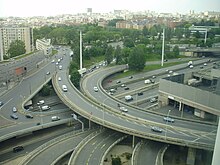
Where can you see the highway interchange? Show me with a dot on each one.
(102, 109)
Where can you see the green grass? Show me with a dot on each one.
(147, 68)
(92, 61)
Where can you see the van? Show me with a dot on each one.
(128, 98)
(45, 107)
(55, 118)
(147, 81)
(60, 67)
(64, 88)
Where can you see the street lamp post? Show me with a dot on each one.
(168, 113)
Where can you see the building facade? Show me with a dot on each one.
(10, 34)
(45, 45)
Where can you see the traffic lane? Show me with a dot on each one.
(51, 153)
(148, 152)
(30, 142)
(102, 147)
(93, 151)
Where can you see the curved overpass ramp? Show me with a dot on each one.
(110, 117)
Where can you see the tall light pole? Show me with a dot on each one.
(162, 58)
(168, 113)
(80, 45)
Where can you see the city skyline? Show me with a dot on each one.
(26, 8)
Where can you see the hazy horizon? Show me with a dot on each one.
(29, 8)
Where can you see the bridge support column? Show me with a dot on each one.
(133, 140)
(191, 157)
(216, 157)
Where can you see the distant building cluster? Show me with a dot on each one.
(10, 34)
(135, 20)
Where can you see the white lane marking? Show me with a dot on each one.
(5, 103)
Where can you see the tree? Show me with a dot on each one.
(116, 161)
(45, 91)
(118, 55)
(75, 78)
(17, 47)
(145, 31)
(176, 51)
(136, 59)
(109, 54)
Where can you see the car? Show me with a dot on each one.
(153, 100)
(165, 60)
(55, 118)
(14, 109)
(123, 109)
(64, 88)
(205, 64)
(153, 76)
(18, 148)
(130, 77)
(201, 67)
(48, 73)
(168, 119)
(140, 93)
(152, 81)
(96, 89)
(117, 82)
(191, 66)
(170, 71)
(1, 103)
(60, 67)
(45, 107)
(40, 102)
(156, 129)
(53, 61)
(29, 116)
(123, 85)
(14, 116)
(59, 78)
(126, 88)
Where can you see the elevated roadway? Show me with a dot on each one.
(102, 109)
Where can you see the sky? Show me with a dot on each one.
(27, 8)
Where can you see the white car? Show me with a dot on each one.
(123, 109)
(40, 102)
(14, 109)
(96, 89)
(59, 78)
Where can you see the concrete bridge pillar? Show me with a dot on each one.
(191, 157)
(216, 154)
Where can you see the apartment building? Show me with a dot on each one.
(10, 34)
(45, 45)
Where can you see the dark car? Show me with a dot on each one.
(1, 103)
(140, 93)
(29, 116)
(156, 129)
(126, 88)
(18, 148)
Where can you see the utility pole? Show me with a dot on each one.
(80, 40)
(162, 59)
